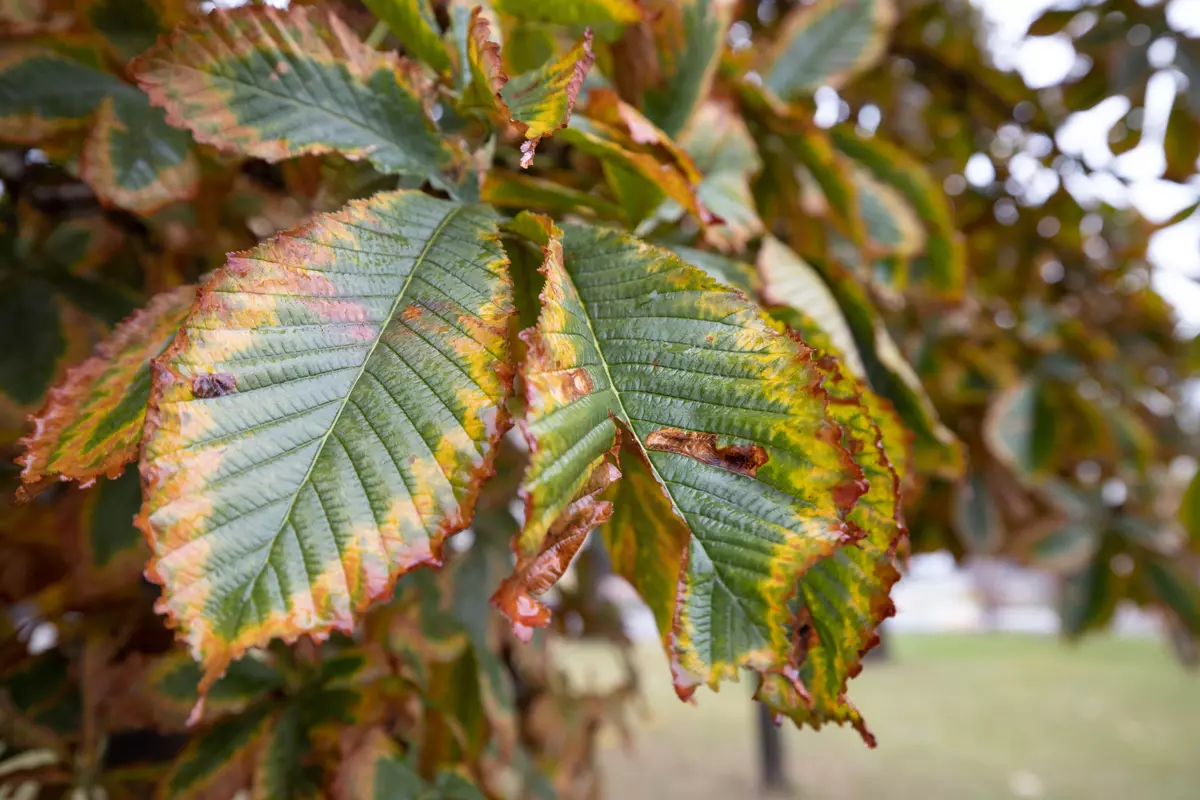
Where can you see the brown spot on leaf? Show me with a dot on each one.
(744, 459)
(218, 384)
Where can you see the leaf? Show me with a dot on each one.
(322, 422)
(376, 770)
(826, 44)
(509, 189)
(796, 295)
(891, 225)
(722, 149)
(936, 450)
(133, 159)
(91, 425)
(1088, 598)
(844, 598)
(1051, 22)
(629, 144)
(689, 37)
(274, 84)
(416, 27)
(1176, 590)
(1189, 509)
(1066, 549)
(977, 517)
(220, 761)
(945, 254)
(606, 17)
(131, 26)
(1019, 428)
(46, 93)
(29, 314)
(749, 466)
(788, 281)
(540, 102)
(835, 176)
(483, 69)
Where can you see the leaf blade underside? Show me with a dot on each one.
(324, 419)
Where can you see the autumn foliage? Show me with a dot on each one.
(345, 343)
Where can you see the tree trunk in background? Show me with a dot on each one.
(773, 778)
(882, 652)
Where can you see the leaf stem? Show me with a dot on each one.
(375, 38)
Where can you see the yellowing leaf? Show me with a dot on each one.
(788, 281)
(607, 17)
(47, 93)
(644, 165)
(133, 159)
(723, 151)
(275, 84)
(91, 425)
(827, 43)
(324, 419)
(540, 102)
(750, 478)
(689, 36)
(509, 189)
(944, 260)
(416, 27)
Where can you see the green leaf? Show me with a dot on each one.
(131, 26)
(29, 314)
(1067, 549)
(112, 536)
(1019, 428)
(1189, 509)
(1176, 590)
(540, 102)
(977, 517)
(508, 189)
(606, 17)
(220, 761)
(46, 93)
(892, 226)
(722, 149)
(689, 36)
(835, 176)
(944, 262)
(134, 160)
(748, 469)
(279, 769)
(1051, 22)
(1089, 597)
(325, 419)
(828, 43)
(376, 770)
(275, 84)
(91, 425)
(416, 27)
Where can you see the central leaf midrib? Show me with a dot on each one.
(628, 420)
(286, 519)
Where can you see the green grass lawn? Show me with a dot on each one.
(962, 717)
